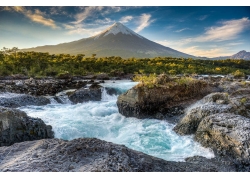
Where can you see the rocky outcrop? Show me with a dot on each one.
(161, 101)
(221, 122)
(16, 126)
(90, 154)
(40, 87)
(227, 134)
(93, 93)
(211, 104)
(16, 100)
(237, 103)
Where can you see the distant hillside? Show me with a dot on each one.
(240, 55)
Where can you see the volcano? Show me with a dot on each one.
(117, 40)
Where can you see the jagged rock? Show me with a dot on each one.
(91, 154)
(210, 104)
(227, 134)
(144, 102)
(40, 87)
(17, 100)
(93, 93)
(16, 126)
(237, 103)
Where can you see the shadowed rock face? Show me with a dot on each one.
(144, 102)
(90, 154)
(93, 93)
(16, 126)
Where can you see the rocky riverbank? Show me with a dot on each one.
(219, 121)
(217, 113)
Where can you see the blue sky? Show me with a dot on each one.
(197, 30)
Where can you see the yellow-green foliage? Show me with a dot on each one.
(144, 80)
(238, 73)
(185, 80)
(152, 80)
(243, 100)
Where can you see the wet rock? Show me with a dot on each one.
(210, 104)
(144, 102)
(16, 126)
(17, 100)
(93, 93)
(91, 154)
(226, 133)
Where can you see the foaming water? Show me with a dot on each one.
(102, 120)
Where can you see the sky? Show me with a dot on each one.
(208, 31)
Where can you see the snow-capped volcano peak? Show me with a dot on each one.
(117, 28)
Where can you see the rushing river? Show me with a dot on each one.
(102, 120)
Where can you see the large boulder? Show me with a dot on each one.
(210, 104)
(16, 126)
(237, 102)
(142, 101)
(91, 154)
(16, 100)
(93, 93)
(227, 134)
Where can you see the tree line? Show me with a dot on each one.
(39, 64)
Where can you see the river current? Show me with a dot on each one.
(101, 119)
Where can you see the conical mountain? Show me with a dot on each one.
(117, 40)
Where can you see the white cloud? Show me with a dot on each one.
(180, 30)
(227, 31)
(36, 16)
(201, 18)
(126, 19)
(144, 21)
(88, 11)
(214, 52)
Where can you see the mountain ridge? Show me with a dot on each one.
(117, 40)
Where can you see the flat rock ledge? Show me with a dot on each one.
(91, 154)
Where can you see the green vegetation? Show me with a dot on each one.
(163, 80)
(37, 64)
(243, 100)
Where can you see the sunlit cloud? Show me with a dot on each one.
(36, 16)
(228, 30)
(180, 30)
(144, 21)
(126, 19)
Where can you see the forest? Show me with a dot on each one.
(38, 64)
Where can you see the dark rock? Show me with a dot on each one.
(144, 102)
(90, 154)
(102, 76)
(210, 104)
(16, 126)
(93, 93)
(17, 100)
(226, 133)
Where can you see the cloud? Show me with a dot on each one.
(214, 52)
(180, 30)
(36, 16)
(104, 21)
(126, 19)
(144, 21)
(201, 18)
(87, 11)
(228, 30)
